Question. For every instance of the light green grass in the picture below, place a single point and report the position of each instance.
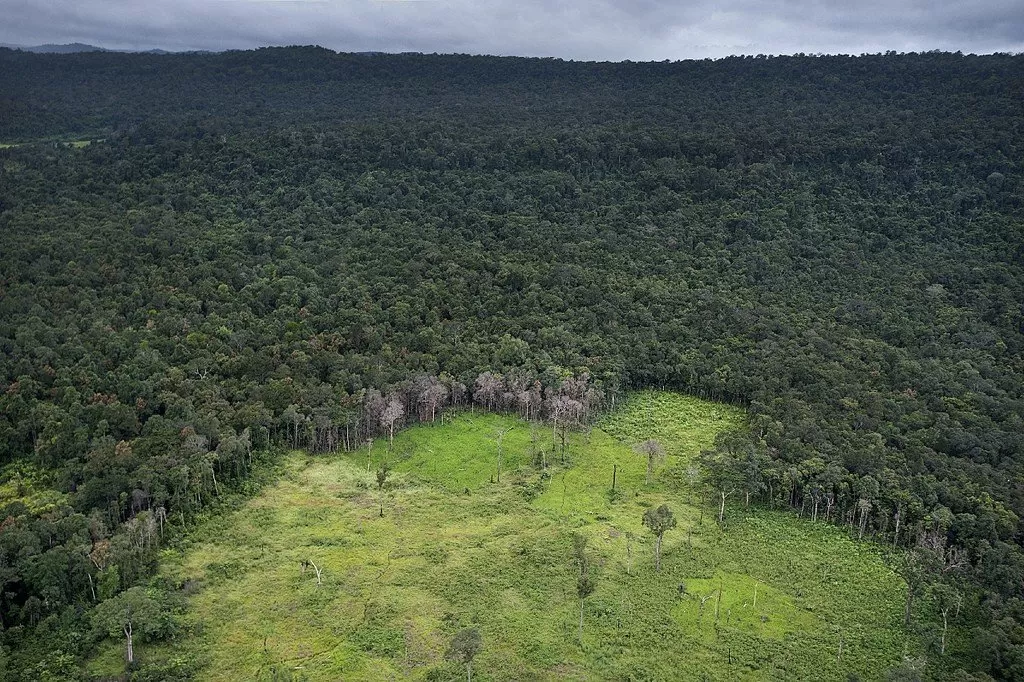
(395, 589)
(683, 424)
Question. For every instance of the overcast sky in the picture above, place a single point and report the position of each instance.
(572, 29)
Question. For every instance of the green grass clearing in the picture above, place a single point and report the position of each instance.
(395, 589)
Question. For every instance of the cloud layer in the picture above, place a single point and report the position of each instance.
(572, 29)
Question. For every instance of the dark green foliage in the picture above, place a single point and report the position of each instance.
(293, 248)
(659, 520)
(465, 645)
(134, 615)
(382, 480)
(381, 641)
(585, 586)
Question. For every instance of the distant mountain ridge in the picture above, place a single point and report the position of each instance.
(72, 48)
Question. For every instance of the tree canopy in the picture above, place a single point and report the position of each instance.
(295, 248)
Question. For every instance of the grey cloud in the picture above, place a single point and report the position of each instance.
(575, 29)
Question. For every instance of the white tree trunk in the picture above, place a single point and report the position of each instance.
(896, 535)
(128, 635)
(319, 573)
(945, 626)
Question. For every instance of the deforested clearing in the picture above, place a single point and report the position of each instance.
(765, 596)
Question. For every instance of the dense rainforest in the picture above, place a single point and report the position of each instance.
(296, 248)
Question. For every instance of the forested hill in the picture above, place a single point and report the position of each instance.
(298, 247)
(757, 107)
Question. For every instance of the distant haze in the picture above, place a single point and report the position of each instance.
(571, 29)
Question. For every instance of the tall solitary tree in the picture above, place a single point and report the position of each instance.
(382, 479)
(499, 437)
(654, 452)
(131, 614)
(723, 470)
(659, 521)
(584, 588)
(464, 647)
(585, 585)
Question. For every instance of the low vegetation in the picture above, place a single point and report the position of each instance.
(768, 596)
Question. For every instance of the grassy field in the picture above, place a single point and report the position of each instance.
(769, 597)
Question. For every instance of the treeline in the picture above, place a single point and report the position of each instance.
(963, 565)
(70, 552)
(348, 423)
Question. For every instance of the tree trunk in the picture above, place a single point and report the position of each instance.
(896, 535)
(581, 625)
(319, 572)
(945, 626)
(721, 509)
(469, 671)
(131, 649)
(657, 554)
(650, 465)
(909, 604)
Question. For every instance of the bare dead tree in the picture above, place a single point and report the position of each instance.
(487, 389)
(499, 437)
(654, 452)
(703, 600)
(316, 569)
(393, 411)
